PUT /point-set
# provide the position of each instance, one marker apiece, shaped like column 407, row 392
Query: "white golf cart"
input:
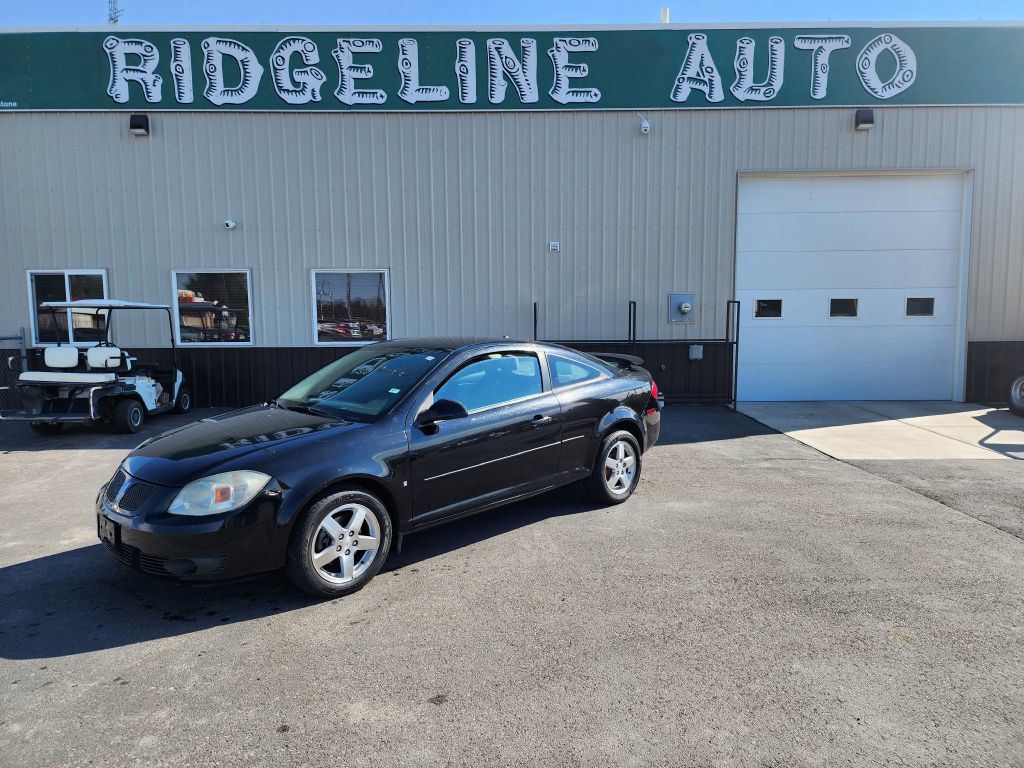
column 101, row 383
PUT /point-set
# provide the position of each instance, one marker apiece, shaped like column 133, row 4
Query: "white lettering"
column 902, row 78
column 744, row 88
column 181, row 70
column 303, row 85
column 143, row 73
column 822, row 47
column 349, row 72
column 465, row 70
column 522, row 71
column 214, row 51
column 409, row 69
column 698, row 72
column 559, row 54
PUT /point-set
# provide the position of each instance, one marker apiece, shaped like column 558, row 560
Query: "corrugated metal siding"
column 461, row 207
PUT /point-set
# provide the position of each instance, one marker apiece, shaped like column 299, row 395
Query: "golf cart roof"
column 102, row 304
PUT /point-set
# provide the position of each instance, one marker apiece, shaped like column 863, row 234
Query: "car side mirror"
column 441, row 410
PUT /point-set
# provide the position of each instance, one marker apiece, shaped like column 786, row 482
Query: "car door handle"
column 540, row 421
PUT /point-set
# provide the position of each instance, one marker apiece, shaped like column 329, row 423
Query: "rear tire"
column 184, row 402
column 128, row 416
column 1015, row 397
column 46, row 427
column 339, row 543
column 616, row 470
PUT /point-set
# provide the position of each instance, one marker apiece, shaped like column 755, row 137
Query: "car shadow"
column 83, row 600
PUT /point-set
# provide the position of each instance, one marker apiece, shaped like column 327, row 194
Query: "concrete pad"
column 889, row 431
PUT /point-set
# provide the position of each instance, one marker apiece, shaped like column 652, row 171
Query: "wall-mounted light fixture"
column 864, row 119
column 138, row 125
column 645, row 126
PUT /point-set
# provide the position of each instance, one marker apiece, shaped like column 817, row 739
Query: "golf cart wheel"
column 184, row 402
column 46, row 427
column 616, row 471
column 1016, row 393
column 339, row 543
column 127, row 416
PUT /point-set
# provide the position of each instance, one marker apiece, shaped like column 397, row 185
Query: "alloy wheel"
column 1017, row 393
column 620, row 467
column 345, row 543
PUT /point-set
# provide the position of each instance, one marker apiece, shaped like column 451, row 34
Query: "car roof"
column 448, row 343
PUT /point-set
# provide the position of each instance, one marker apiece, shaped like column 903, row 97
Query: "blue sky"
column 460, row 12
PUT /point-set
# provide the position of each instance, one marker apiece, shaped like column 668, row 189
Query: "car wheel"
column 616, row 470
column 339, row 543
column 184, row 402
column 127, row 416
column 1016, row 394
column 46, row 427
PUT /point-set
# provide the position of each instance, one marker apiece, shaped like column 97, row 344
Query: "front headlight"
column 218, row 493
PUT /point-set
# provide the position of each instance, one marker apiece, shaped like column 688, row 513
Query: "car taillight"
column 657, row 397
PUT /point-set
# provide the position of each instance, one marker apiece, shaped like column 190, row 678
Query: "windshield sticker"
column 394, row 390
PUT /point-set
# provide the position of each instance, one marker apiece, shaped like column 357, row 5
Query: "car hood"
column 204, row 447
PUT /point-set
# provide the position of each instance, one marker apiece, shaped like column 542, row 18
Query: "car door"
column 584, row 398
column 508, row 444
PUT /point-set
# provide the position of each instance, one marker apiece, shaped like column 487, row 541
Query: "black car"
column 388, row 440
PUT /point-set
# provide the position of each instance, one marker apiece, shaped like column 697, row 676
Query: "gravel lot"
column 756, row 603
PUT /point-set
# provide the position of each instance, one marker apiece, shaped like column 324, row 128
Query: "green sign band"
column 667, row 68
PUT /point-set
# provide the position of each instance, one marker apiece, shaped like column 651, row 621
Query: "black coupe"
column 391, row 439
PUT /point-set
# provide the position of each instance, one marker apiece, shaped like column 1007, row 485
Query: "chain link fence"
column 13, row 360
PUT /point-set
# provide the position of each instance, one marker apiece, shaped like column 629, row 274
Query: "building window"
column 921, row 307
column 52, row 326
column 350, row 306
column 768, row 308
column 842, row 307
column 212, row 306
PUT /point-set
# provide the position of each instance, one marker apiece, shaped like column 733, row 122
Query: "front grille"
column 123, row 552
column 135, row 496
column 154, row 564
column 114, row 486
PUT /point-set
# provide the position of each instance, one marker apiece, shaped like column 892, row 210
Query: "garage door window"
column 921, row 307
column 213, row 307
column 768, row 308
column 350, row 306
column 87, row 326
column 842, row 307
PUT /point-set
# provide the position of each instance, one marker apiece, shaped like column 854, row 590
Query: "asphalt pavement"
column 756, row 603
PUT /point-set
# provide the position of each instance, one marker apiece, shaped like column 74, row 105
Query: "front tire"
column 46, row 428
column 1015, row 397
column 128, row 416
column 339, row 543
column 616, row 470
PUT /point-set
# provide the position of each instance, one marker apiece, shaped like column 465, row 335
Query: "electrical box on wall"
column 682, row 307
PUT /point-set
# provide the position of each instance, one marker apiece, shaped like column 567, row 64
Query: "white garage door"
column 848, row 286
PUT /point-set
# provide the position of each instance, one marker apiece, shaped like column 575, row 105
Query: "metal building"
column 295, row 193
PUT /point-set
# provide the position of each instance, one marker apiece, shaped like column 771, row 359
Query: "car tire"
column 329, row 560
column 184, row 402
column 616, row 472
column 128, row 416
column 1015, row 395
column 46, row 427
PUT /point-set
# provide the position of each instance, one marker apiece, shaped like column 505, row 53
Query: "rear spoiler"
column 623, row 361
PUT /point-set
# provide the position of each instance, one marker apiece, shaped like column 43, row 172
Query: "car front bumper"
column 229, row 546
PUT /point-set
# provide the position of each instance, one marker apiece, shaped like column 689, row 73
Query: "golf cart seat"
column 64, row 377
column 67, row 357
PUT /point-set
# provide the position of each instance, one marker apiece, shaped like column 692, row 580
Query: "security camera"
column 645, row 127
column 230, row 224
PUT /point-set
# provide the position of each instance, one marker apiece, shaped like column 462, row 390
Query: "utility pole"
column 114, row 12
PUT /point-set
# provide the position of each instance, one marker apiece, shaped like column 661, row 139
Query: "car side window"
column 493, row 379
column 565, row 372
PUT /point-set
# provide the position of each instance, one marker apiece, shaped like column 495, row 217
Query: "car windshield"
column 363, row 385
